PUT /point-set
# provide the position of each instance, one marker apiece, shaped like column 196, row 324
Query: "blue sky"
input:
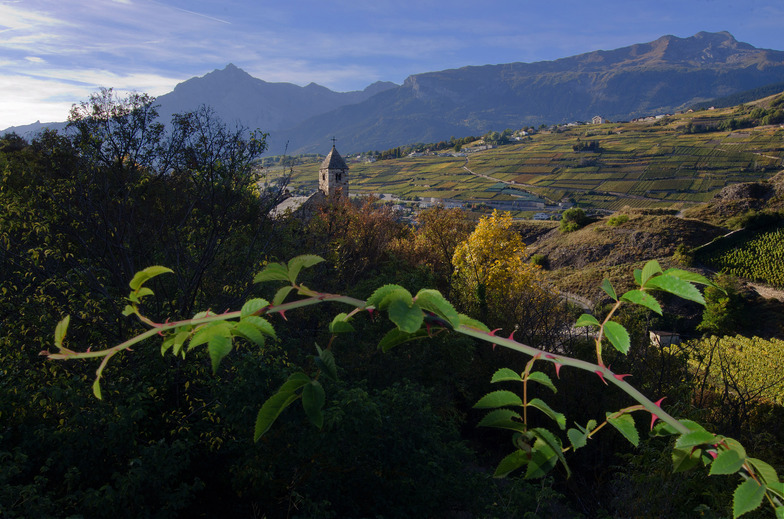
column 54, row 53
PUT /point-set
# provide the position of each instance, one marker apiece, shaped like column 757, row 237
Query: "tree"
column 80, row 212
column 356, row 235
column 432, row 241
column 724, row 307
column 490, row 267
column 573, row 219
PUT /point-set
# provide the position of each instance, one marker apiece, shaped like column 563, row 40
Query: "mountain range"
column 662, row 76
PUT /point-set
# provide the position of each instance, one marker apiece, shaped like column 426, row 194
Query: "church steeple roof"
column 334, row 160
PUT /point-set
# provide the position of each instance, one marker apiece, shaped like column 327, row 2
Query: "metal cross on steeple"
column 333, row 141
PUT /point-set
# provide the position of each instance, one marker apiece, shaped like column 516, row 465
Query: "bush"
column 573, row 219
column 618, row 219
column 540, row 260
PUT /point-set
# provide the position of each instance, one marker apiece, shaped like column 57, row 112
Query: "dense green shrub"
column 617, row 219
column 573, row 219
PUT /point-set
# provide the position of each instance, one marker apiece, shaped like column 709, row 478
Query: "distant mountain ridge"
column 662, row 76
column 665, row 75
column 239, row 97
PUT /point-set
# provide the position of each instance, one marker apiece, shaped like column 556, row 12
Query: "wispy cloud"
column 70, row 48
column 202, row 15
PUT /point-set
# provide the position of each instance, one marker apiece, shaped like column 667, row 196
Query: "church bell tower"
column 333, row 174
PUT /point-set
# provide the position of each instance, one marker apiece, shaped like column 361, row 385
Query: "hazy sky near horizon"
column 54, row 53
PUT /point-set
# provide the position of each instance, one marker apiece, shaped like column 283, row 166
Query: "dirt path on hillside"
column 582, row 302
column 766, row 291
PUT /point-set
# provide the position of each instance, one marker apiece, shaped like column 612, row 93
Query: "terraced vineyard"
column 753, row 364
column 753, row 255
column 657, row 164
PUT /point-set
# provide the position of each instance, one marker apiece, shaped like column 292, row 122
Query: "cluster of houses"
column 334, row 181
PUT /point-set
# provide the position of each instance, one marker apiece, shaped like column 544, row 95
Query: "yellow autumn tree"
column 493, row 281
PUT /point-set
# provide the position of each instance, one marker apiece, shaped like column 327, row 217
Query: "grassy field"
column 644, row 165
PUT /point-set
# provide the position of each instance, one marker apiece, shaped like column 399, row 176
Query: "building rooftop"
column 334, row 160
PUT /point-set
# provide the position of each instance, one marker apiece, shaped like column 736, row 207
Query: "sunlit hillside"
column 674, row 160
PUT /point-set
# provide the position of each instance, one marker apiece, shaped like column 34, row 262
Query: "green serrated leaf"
column 638, row 276
column 469, row 322
column 642, row 298
column 695, row 438
column 295, row 381
column 664, row 429
column 128, row 310
column 734, row 445
column 766, row 472
column 168, row 343
column 691, row 277
column 503, row 419
column 326, row 363
column 270, row 411
column 578, row 439
column 747, row 497
column 396, row 337
column 340, row 324
column 506, row 374
column 143, row 292
column 649, row 270
column 253, row 306
column 262, row 324
column 434, row 302
column 398, row 294
column 281, row 295
column 60, row 330
column 543, row 460
column 313, row 398
column 498, row 399
column 625, row 425
column 777, row 489
column 618, row 336
column 248, row 331
column 142, row 276
column 727, row 462
column 678, row 287
column 381, row 293
column 219, row 346
column 685, row 459
column 557, row 417
column 692, row 425
column 97, row 388
column 205, row 334
column 272, row 272
column 179, row 340
column 511, row 463
column 586, row 320
column 554, row 443
column 404, row 313
column 608, row 289
column 298, row 263
column 542, row 378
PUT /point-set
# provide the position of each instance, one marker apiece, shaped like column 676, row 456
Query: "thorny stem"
column 609, row 376
column 359, row 304
column 160, row 328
